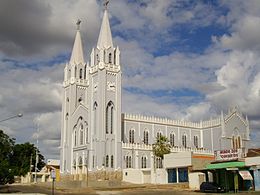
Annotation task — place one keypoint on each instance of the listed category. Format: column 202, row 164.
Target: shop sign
column 246, row 175
column 227, row 155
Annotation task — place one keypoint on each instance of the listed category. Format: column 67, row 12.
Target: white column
column 136, row 160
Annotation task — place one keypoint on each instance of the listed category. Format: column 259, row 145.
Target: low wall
column 93, row 179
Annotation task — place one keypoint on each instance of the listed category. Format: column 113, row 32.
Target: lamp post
column 11, row 117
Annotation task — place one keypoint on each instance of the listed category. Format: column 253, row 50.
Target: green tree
column 161, row 146
column 6, row 152
column 23, row 156
column 15, row 159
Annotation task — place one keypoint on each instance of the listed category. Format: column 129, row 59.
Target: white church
column 96, row 135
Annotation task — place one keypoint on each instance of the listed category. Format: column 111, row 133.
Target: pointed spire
column 77, row 51
column 105, row 36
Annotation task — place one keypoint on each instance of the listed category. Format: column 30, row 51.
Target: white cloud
column 225, row 74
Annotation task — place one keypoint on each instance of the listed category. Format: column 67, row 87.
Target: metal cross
column 106, row 2
column 78, row 23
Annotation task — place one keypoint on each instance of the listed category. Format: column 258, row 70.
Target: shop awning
column 224, row 165
column 246, row 175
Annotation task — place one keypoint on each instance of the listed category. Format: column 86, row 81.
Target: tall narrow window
column 109, row 117
column 196, row 143
column 114, row 56
column 130, row 161
column 146, row 137
column 159, row 135
column 184, row 141
column 127, row 162
column 112, row 161
column 172, row 139
column 233, row 142
column 80, row 161
column 158, row 162
column 95, row 116
column 75, row 72
column 86, row 133
column 85, row 72
column 107, row 160
column 81, row 134
column 97, row 59
column 131, row 136
column 80, row 73
column 143, row 162
column 238, row 142
column 69, row 73
column 93, row 161
column 109, row 58
column 75, row 138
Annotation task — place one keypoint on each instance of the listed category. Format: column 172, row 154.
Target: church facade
column 96, row 135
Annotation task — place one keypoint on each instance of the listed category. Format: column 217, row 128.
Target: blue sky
column 180, row 59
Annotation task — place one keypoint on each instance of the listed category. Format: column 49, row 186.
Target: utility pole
column 36, row 154
column 31, row 169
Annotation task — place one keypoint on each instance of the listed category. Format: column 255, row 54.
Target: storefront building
column 232, row 170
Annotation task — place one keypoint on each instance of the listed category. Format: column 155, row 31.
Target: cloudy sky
column 180, row 59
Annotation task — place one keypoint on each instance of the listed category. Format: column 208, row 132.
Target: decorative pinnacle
column 78, row 24
column 105, row 4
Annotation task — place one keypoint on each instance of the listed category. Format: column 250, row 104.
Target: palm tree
column 161, row 146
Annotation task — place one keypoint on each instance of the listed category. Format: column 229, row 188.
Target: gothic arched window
column 143, row 162
column 109, row 58
column 126, row 161
column 107, row 160
column 184, row 141
column 81, row 135
column 159, row 162
column 112, row 161
column 69, row 73
column 95, row 116
column 172, row 139
column 85, row 72
column 233, row 142
column 80, row 161
column 97, row 58
column 238, row 142
column 130, row 161
column 146, row 137
column 196, row 142
column 131, row 136
column 86, row 132
column 159, row 135
column 109, row 117
column 80, row 73
column 75, row 138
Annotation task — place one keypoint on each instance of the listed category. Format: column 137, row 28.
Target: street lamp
column 11, row 117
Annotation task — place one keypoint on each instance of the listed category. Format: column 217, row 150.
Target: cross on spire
column 105, row 4
column 78, row 24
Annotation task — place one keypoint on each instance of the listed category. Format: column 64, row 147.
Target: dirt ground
column 130, row 190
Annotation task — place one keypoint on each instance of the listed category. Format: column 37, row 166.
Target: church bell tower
column 105, row 79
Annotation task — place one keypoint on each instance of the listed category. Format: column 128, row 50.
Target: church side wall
column 153, row 129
